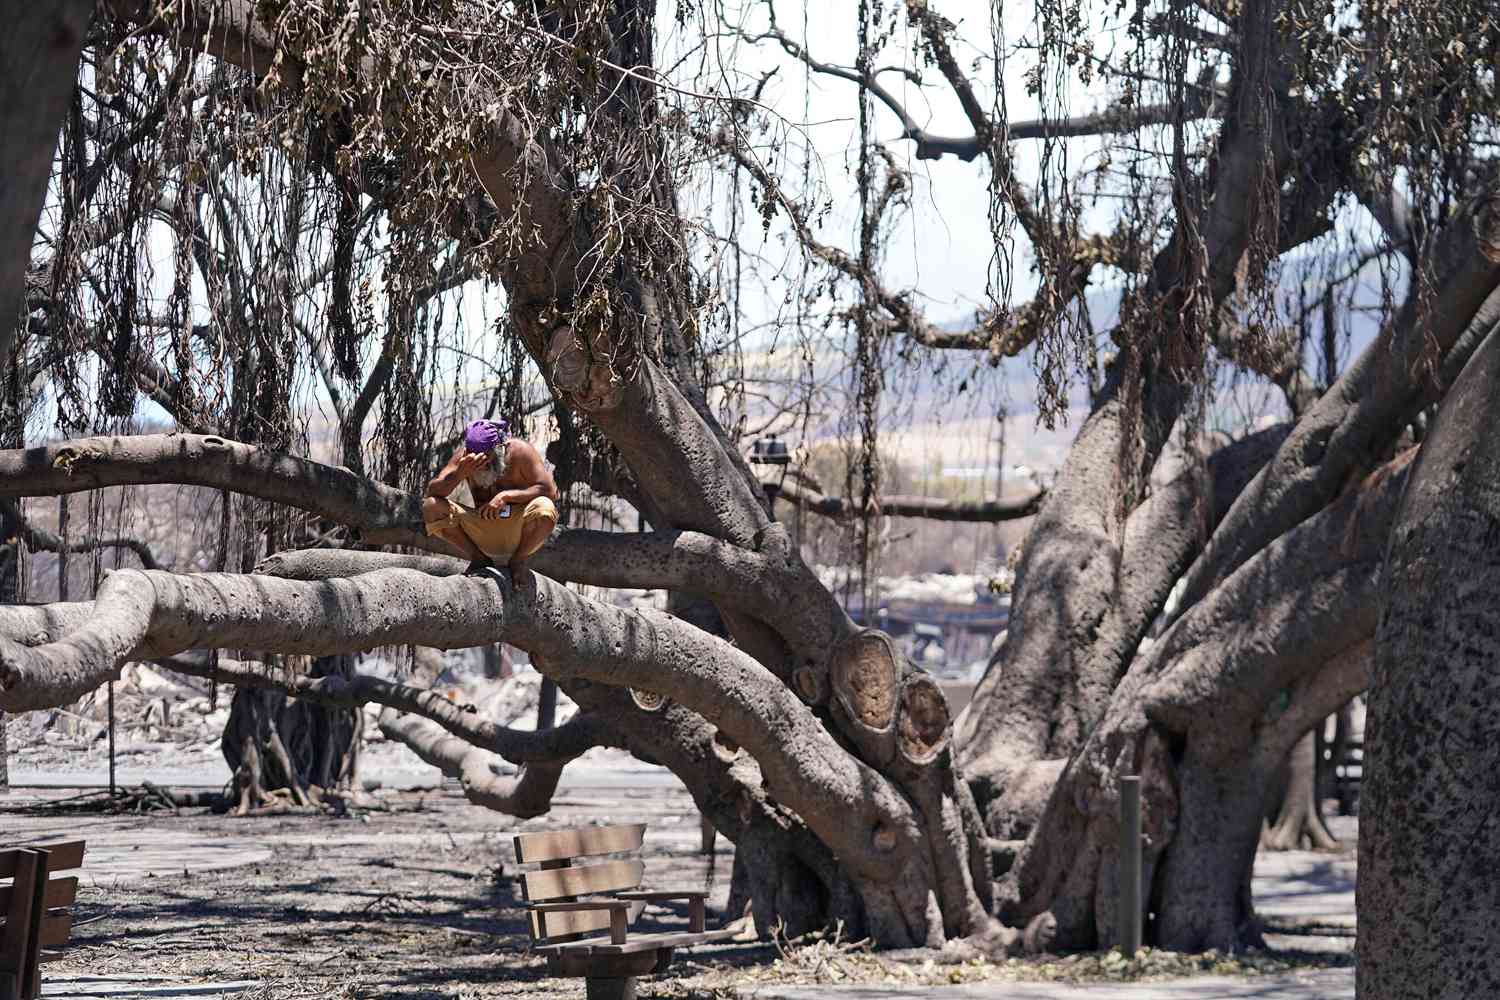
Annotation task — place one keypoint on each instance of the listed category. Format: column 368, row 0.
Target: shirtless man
column 493, row 501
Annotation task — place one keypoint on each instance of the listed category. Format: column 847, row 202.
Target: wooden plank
column 655, row 894
column 555, row 925
column 61, row 857
column 580, row 843
column 31, row 978
column 20, row 922
column 586, row 880
column 55, row 929
column 637, row 943
column 580, row 904
column 668, row 939
column 60, row 892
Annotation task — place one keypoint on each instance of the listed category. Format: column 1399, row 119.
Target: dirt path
column 420, row 901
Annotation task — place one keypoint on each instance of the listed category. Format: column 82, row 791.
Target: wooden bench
column 566, row 901
column 34, row 907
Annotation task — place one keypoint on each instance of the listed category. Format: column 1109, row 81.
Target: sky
column 943, row 246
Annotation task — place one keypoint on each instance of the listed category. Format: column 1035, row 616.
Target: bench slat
column 55, row 929
column 586, row 880
column 582, row 843
column 637, row 942
column 556, row 925
column 60, row 892
column 579, row 904
column 61, row 857
column 657, row 895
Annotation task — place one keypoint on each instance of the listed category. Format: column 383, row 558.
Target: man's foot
column 477, row 566
column 520, row 576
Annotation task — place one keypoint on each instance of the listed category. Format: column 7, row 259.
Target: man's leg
column 537, row 523
column 437, row 516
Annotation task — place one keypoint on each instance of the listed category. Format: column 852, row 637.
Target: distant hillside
column 940, row 411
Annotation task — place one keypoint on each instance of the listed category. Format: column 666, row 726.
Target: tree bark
column 860, row 814
column 39, row 56
column 1428, row 842
column 1344, row 432
column 1188, row 717
column 1297, row 820
column 307, row 750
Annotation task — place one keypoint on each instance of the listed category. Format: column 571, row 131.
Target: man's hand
column 460, row 467
column 471, row 462
column 496, row 506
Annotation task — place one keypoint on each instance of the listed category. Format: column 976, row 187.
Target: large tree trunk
column 1186, row 718
column 307, row 752
column 1428, row 841
column 39, row 54
column 909, row 885
column 1296, row 819
column 10, row 593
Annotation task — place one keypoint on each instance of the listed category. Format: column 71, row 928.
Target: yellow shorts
column 498, row 537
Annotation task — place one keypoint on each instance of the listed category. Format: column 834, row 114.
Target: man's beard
column 489, row 477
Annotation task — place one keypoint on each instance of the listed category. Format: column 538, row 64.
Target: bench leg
column 622, row 988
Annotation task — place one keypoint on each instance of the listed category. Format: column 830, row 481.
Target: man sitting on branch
column 493, row 501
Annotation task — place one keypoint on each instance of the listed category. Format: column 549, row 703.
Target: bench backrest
column 34, row 909
column 559, row 878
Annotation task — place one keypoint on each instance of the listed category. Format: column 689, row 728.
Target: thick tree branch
column 326, row 564
column 1316, row 593
column 379, row 513
column 760, row 583
column 141, row 614
column 523, row 795
column 1314, row 697
column 1375, row 397
column 462, row 722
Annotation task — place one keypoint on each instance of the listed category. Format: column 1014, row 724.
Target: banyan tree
column 254, row 212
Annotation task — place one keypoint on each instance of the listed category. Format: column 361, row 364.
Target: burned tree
column 830, row 761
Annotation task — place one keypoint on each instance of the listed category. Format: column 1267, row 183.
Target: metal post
column 1130, row 865
column 111, row 741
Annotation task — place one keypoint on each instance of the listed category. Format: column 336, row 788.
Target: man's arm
column 455, row 472
column 528, row 466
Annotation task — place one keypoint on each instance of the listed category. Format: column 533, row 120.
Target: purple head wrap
column 482, row 436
